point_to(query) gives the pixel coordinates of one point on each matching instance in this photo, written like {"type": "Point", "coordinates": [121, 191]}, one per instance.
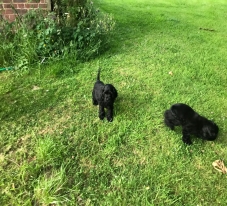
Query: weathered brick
{"type": "Point", "coordinates": [7, 11]}
{"type": "Point", "coordinates": [44, 6]}
{"type": "Point", "coordinates": [6, 6]}
{"type": "Point", "coordinates": [22, 11]}
{"type": "Point", "coordinates": [22, 6]}
{"type": "Point", "coordinates": [19, 1]}
{"type": "Point", "coordinates": [12, 17]}
{"type": "Point", "coordinates": [19, 6]}
{"type": "Point", "coordinates": [34, 1]}
{"type": "Point", "coordinates": [6, 16]}
{"type": "Point", "coordinates": [31, 6]}
{"type": "Point", "coordinates": [7, 1]}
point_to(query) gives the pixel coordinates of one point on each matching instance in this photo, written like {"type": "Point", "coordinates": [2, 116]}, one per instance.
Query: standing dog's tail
{"type": "Point", "coordinates": [98, 76]}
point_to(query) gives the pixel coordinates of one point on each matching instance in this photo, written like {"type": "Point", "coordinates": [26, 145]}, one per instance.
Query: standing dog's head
{"type": "Point", "coordinates": [109, 93]}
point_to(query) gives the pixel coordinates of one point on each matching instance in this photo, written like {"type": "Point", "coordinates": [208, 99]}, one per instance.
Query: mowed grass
{"type": "Point", "coordinates": [55, 151]}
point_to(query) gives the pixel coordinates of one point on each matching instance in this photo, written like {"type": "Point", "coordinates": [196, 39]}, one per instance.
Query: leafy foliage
{"type": "Point", "coordinates": [72, 28]}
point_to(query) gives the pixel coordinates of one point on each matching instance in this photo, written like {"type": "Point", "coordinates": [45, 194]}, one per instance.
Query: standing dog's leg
{"type": "Point", "coordinates": [101, 112]}
{"type": "Point", "coordinates": [94, 101]}
{"type": "Point", "coordinates": [110, 113]}
{"type": "Point", "coordinates": [186, 137]}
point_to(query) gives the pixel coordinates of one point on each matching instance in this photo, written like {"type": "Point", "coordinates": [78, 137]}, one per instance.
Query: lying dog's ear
{"type": "Point", "coordinates": [210, 131]}
{"type": "Point", "coordinates": [206, 131]}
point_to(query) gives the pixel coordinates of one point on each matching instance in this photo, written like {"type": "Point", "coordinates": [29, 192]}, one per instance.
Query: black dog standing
{"type": "Point", "coordinates": [192, 123]}
{"type": "Point", "coordinates": [104, 95]}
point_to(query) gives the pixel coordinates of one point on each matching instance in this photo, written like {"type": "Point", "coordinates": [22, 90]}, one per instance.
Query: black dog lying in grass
{"type": "Point", "coordinates": [192, 123]}
{"type": "Point", "coordinates": [104, 95]}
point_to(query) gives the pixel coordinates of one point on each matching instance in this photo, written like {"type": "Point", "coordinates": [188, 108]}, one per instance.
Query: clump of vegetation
{"type": "Point", "coordinates": [73, 28]}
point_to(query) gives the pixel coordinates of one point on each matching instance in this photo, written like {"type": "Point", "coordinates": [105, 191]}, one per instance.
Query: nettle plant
{"type": "Point", "coordinates": [73, 27]}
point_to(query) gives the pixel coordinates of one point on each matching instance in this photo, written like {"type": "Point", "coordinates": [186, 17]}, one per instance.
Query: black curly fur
{"type": "Point", "coordinates": [104, 95]}
{"type": "Point", "coordinates": [192, 123]}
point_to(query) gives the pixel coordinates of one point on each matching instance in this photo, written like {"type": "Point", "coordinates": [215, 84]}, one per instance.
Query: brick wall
{"type": "Point", "coordinates": [22, 6]}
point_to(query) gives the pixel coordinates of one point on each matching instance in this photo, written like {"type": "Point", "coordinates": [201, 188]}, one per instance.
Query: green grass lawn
{"type": "Point", "coordinates": [54, 150]}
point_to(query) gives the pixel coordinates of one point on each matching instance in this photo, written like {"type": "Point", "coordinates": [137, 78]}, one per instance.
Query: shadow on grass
{"type": "Point", "coordinates": [141, 20]}
{"type": "Point", "coordinates": [44, 90]}
{"type": "Point", "coordinates": [133, 105]}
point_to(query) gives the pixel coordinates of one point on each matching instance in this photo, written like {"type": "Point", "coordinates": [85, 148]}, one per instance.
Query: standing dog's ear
{"type": "Point", "coordinates": [115, 94]}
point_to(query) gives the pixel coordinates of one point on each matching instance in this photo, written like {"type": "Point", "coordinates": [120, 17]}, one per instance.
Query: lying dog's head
{"type": "Point", "coordinates": [182, 112]}
{"type": "Point", "coordinates": [109, 93]}
{"type": "Point", "coordinates": [210, 131]}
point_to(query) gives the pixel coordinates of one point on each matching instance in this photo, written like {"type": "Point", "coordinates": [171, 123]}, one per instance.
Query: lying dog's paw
{"type": "Point", "coordinates": [186, 140]}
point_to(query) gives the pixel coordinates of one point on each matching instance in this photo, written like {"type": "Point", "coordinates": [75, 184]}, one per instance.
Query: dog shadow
{"type": "Point", "coordinates": [127, 104]}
